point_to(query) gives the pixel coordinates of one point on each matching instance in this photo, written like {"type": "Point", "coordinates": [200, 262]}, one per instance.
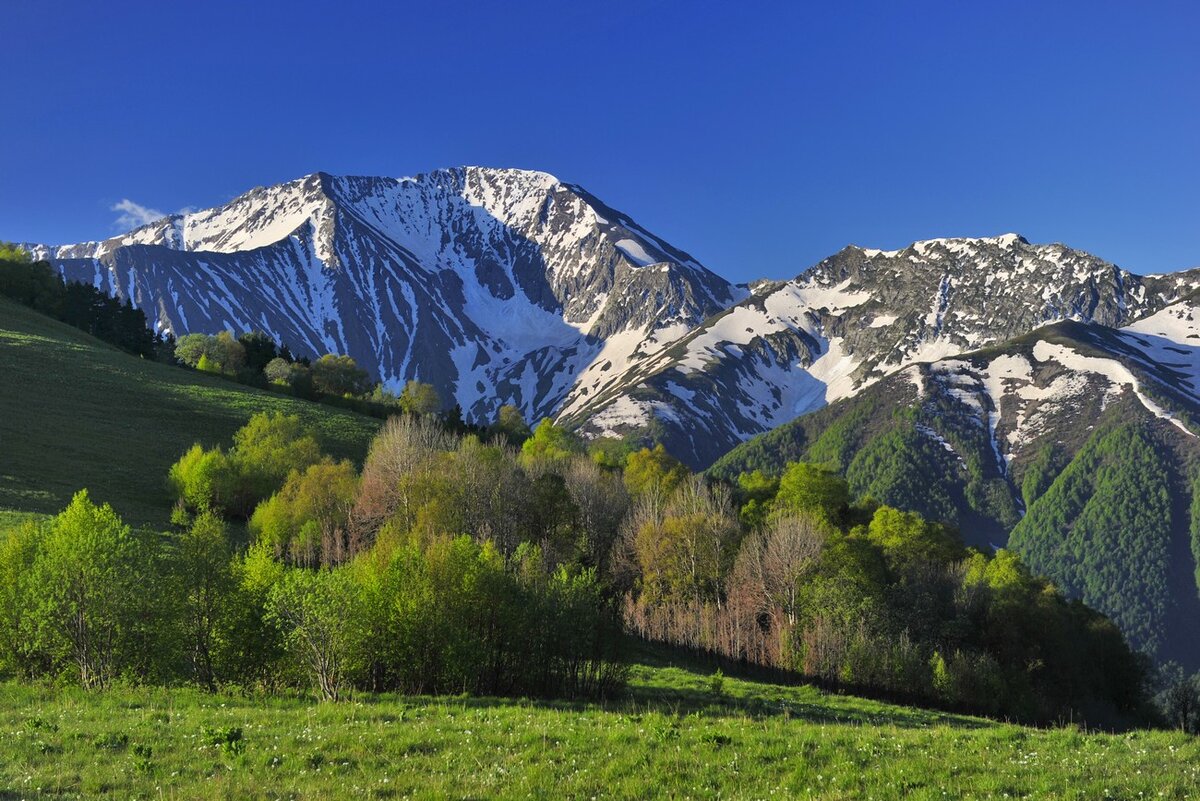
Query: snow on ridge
{"type": "Point", "coordinates": [636, 252]}
{"type": "Point", "coordinates": [1113, 370]}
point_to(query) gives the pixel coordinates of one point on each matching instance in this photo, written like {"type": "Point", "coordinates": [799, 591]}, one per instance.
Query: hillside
{"type": "Point", "coordinates": [673, 736]}
{"type": "Point", "coordinates": [78, 413]}
{"type": "Point", "coordinates": [1075, 440]}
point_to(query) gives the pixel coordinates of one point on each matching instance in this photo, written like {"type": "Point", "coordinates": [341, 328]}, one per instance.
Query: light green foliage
{"type": "Point", "coordinates": [906, 537]}
{"type": "Point", "coordinates": [19, 543]}
{"type": "Point", "coordinates": [264, 452]}
{"type": "Point", "coordinates": [511, 425]}
{"type": "Point", "coordinates": [308, 518]}
{"type": "Point", "coordinates": [443, 616]}
{"type": "Point", "coordinates": [1103, 531]}
{"type": "Point", "coordinates": [221, 353]}
{"type": "Point", "coordinates": [279, 371]}
{"type": "Point", "coordinates": [339, 375]}
{"type": "Point", "coordinates": [88, 576]}
{"type": "Point", "coordinates": [686, 551]}
{"type": "Point", "coordinates": [422, 399]}
{"type": "Point", "coordinates": [317, 611]}
{"type": "Point", "coordinates": [10, 251]}
{"type": "Point", "coordinates": [204, 571]}
{"type": "Point", "coordinates": [653, 470]}
{"type": "Point", "coordinates": [756, 493]}
{"type": "Point", "coordinates": [611, 453]}
{"type": "Point", "coordinates": [549, 442]}
{"type": "Point", "coordinates": [811, 489]}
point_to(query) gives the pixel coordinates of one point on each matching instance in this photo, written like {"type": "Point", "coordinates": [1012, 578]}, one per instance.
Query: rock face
{"type": "Point", "coordinates": [509, 286]}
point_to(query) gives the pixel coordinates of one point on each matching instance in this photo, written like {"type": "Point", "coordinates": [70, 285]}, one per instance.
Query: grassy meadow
{"type": "Point", "coordinates": [92, 416]}
{"type": "Point", "coordinates": [676, 734]}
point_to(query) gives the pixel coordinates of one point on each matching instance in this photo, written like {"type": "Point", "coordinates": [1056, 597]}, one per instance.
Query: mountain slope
{"type": "Point", "coordinates": [856, 317]}
{"type": "Point", "coordinates": [1076, 440]}
{"type": "Point", "coordinates": [497, 286]}
{"type": "Point", "coordinates": [78, 413]}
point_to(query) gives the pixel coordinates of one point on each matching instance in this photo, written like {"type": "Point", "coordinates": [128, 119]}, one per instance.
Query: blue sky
{"type": "Point", "coordinates": [760, 137]}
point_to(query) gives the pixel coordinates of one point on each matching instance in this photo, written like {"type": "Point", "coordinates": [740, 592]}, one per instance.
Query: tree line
{"type": "Point", "coordinates": [512, 561]}
{"type": "Point", "coordinates": [38, 286]}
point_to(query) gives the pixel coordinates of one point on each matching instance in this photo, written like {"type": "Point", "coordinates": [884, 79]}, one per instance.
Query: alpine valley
{"type": "Point", "coordinates": [1033, 395]}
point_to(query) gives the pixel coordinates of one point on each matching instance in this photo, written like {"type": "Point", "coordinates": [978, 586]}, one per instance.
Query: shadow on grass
{"type": "Point", "coordinates": [677, 682]}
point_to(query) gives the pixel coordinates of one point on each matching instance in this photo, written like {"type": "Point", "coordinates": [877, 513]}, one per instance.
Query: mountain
{"type": "Point", "coordinates": [510, 286]}
{"type": "Point", "coordinates": [860, 315]}
{"type": "Point", "coordinates": [497, 286]}
{"type": "Point", "coordinates": [1076, 445]}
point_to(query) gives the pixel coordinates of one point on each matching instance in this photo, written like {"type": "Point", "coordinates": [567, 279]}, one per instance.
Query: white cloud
{"type": "Point", "coordinates": [134, 215]}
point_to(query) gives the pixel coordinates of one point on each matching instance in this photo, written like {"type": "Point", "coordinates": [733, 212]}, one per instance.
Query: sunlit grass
{"type": "Point", "coordinates": [670, 737]}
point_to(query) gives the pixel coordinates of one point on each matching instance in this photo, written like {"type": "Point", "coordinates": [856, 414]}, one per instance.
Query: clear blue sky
{"type": "Point", "coordinates": [759, 136]}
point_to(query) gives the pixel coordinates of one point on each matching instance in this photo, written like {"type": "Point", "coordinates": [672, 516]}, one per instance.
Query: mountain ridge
{"type": "Point", "coordinates": [511, 286]}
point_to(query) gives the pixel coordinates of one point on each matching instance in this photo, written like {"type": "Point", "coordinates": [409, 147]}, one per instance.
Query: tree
{"type": "Point", "coordinates": [264, 452]}
{"type": "Point", "coordinates": [420, 399]}
{"type": "Point", "coordinates": [203, 566]}
{"type": "Point", "coordinates": [773, 562]}
{"type": "Point", "coordinates": [259, 348]}
{"type": "Point", "coordinates": [278, 370]}
{"type": "Point", "coordinates": [10, 251]}
{"type": "Point", "coordinates": [87, 577]}
{"type": "Point", "coordinates": [511, 425]}
{"type": "Point", "coordinates": [686, 553]}
{"type": "Point", "coordinates": [19, 546]}
{"type": "Point", "coordinates": [213, 354]}
{"type": "Point", "coordinates": [611, 453]}
{"type": "Point", "coordinates": [340, 375]}
{"type": "Point", "coordinates": [402, 445]}
{"type": "Point", "coordinates": [317, 612]}
{"type": "Point", "coordinates": [906, 538]}
{"type": "Point", "coordinates": [190, 348]}
{"type": "Point", "coordinates": [756, 494]}
{"type": "Point", "coordinates": [811, 489]}
{"type": "Point", "coordinates": [549, 443]}
{"type": "Point", "coordinates": [601, 503]}
{"type": "Point", "coordinates": [1180, 700]}
{"type": "Point", "coordinates": [653, 470]}
{"type": "Point", "coordinates": [308, 519]}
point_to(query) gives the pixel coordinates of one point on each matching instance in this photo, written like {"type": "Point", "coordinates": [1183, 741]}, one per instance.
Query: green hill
{"type": "Point", "coordinates": [676, 734]}
{"type": "Point", "coordinates": [75, 412]}
{"type": "Point", "coordinates": [1094, 490]}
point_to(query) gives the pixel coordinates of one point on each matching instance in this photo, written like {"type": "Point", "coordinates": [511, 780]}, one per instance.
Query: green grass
{"type": "Point", "coordinates": [76, 413]}
{"type": "Point", "coordinates": [672, 737]}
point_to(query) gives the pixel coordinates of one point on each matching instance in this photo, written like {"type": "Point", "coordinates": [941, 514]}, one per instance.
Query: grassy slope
{"type": "Point", "coordinates": [75, 413]}
{"type": "Point", "coordinates": [671, 738]}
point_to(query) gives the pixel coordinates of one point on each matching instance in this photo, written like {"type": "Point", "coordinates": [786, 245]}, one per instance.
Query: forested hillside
{"type": "Point", "coordinates": [1061, 439]}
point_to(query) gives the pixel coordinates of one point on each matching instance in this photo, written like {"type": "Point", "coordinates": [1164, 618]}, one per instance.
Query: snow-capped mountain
{"type": "Point", "coordinates": [497, 286]}
{"type": "Point", "coordinates": [857, 316]}
{"type": "Point", "coordinates": [510, 286]}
